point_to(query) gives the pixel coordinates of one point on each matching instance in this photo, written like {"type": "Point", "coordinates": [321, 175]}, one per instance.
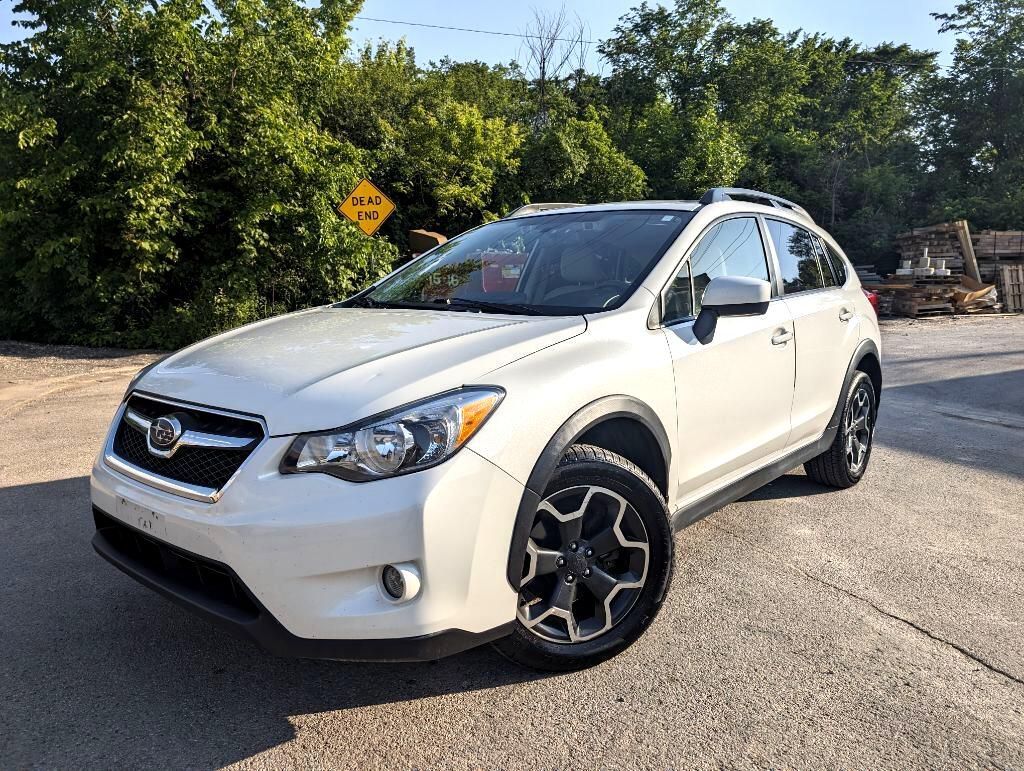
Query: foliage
{"type": "Point", "coordinates": [166, 171]}
{"type": "Point", "coordinates": [442, 143]}
{"type": "Point", "coordinates": [974, 117]}
{"type": "Point", "coordinates": [169, 168]}
{"type": "Point", "coordinates": [701, 100]}
{"type": "Point", "coordinates": [573, 159]}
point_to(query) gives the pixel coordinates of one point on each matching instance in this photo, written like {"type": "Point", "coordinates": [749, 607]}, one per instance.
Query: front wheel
{"type": "Point", "coordinates": [845, 461]}
{"type": "Point", "coordinates": [597, 563]}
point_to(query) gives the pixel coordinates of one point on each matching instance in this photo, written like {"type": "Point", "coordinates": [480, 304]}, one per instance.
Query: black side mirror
{"type": "Point", "coordinates": [730, 296]}
{"type": "Point", "coordinates": [705, 325]}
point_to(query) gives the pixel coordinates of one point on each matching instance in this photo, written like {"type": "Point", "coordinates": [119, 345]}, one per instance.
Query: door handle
{"type": "Point", "coordinates": [845, 315]}
{"type": "Point", "coordinates": [781, 338]}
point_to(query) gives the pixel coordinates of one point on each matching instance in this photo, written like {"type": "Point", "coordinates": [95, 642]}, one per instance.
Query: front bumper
{"type": "Point", "coordinates": [306, 551]}
{"type": "Point", "coordinates": [213, 591]}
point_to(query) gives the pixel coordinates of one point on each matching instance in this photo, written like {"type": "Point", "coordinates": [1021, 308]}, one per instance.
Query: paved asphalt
{"type": "Point", "coordinates": [880, 627]}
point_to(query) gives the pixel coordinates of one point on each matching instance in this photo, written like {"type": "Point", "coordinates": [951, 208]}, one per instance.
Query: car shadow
{"type": "Point", "coordinates": [101, 671]}
{"type": "Point", "coordinates": [958, 420]}
{"type": "Point", "coordinates": [791, 485]}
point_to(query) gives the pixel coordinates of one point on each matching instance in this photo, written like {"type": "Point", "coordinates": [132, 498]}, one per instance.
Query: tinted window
{"type": "Point", "coordinates": [730, 248]}
{"type": "Point", "coordinates": [571, 262]}
{"type": "Point", "coordinates": [838, 263]}
{"type": "Point", "coordinates": [798, 262]}
{"type": "Point", "coordinates": [827, 275]}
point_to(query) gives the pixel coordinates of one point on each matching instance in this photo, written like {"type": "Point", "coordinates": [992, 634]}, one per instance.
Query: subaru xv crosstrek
{"type": "Point", "coordinates": [496, 442]}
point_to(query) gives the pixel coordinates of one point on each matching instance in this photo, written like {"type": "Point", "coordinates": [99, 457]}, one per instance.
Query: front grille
{"type": "Point", "coordinates": [181, 570]}
{"type": "Point", "coordinates": [200, 466]}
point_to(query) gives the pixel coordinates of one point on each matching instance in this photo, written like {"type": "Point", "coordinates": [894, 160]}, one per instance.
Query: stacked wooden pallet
{"type": "Point", "coordinates": [945, 267]}
{"type": "Point", "coordinates": [866, 274]}
{"type": "Point", "coordinates": [925, 299]}
{"type": "Point", "coordinates": [995, 248]}
{"type": "Point", "coordinates": [885, 304]}
{"type": "Point", "coordinates": [1010, 284]}
{"type": "Point", "coordinates": [931, 267]}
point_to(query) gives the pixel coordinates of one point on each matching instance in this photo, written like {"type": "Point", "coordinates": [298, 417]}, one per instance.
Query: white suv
{"type": "Point", "coordinates": [497, 441]}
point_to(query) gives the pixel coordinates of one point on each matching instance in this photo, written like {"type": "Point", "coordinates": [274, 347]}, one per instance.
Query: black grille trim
{"type": "Point", "coordinates": [203, 467]}
{"type": "Point", "coordinates": [184, 571]}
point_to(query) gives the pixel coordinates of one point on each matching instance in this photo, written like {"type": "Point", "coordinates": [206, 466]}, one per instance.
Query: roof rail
{"type": "Point", "coordinates": [716, 194]}
{"type": "Point", "coordinates": [533, 208]}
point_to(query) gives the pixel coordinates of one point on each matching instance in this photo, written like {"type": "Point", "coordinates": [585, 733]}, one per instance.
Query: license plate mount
{"type": "Point", "coordinates": [148, 521]}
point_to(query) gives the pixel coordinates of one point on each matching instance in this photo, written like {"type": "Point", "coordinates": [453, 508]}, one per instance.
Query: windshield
{"type": "Point", "coordinates": [567, 263]}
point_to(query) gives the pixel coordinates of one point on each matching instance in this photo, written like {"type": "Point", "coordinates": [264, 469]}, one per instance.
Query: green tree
{"type": "Point", "coordinates": [169, 168]}
{"type": "Point", "coordinates": [441, 141]}
{"type": "Point", "coordinates": [974, 117]}
{"type": "Point", "coordinates": [166, 172]}
{"type": "Point", "coordinates": [698, 100]}
{"type": "Point", "coordinates": [573, 159]}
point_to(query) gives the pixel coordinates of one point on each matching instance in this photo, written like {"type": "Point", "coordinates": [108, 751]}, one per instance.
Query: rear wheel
{"type": "Point", "coordinates": [843, 464]}
{"type": "Point", "coordinates": [597, 563]}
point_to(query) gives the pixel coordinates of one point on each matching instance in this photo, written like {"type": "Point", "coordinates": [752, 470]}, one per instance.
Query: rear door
{"type": "Point", "coordinates": [825, 326]}
{"type": "Point", "coordinates": [734, 393]}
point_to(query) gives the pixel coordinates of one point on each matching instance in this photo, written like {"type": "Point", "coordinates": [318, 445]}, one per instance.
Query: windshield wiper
{"type": "Point", "coordinates": [484, 305]}
{"type": "Point", "coordinates": [458, 302]}
{"type": "Point", "coordinates": [364, 302]}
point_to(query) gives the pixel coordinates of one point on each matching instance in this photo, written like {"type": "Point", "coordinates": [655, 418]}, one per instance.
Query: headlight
{"type": "Point", "coordinates": [411, 438]}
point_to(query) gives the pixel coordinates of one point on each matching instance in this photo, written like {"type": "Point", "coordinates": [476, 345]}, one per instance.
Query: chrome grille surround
{"type": "Point", "coordinates": [128, 419]}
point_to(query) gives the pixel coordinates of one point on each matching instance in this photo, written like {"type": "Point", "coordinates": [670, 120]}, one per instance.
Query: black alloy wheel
{"type": "Point", "coordinates": [844, 463]}
{"type": "Point", "coordinates": [597, 563]}
{"type": "Point", "coordinates": [857, 430]}
{"type": "Point", "coordinates": [586, 562]}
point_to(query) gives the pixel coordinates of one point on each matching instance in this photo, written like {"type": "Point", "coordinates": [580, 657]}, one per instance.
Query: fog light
{"type": "Point", "coordinates": [401, 581]}
{"type": "Point", "coordinates": [394, 583]}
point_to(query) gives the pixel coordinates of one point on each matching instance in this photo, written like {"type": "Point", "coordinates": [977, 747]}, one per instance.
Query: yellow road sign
{"type": "Point", "coordinates": [367, 206]}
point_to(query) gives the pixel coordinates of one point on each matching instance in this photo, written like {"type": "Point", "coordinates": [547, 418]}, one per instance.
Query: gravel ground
{"type": "Point", "coordinates": [878, 627]}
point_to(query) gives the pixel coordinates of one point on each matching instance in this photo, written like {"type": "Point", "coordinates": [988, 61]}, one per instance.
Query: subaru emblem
{"type": "Point", "coordinates": [164, 432]}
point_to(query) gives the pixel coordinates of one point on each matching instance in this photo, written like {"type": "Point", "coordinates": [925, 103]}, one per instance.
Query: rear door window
{"type": "Point", "coordinates": [798, 259]}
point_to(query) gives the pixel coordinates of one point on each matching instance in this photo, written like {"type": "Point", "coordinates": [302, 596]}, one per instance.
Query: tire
{"type": "Point", "coordinates": [836, 467]}
{"type": "Point", "coordinates": [598, 564]}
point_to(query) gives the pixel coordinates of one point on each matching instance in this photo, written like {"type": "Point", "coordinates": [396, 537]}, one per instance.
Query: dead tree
{"type": "Point", "coordinates": [550, 44]}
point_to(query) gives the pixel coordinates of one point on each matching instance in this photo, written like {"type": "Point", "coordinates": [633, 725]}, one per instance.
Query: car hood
{"type": "Point", "coordinates": [326, 367]}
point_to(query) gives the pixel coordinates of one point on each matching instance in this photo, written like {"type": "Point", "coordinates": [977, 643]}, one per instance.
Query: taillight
{"type": "Point", "coordinates": [872, 298]}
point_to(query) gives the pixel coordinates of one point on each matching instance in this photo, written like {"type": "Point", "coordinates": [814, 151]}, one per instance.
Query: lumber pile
{"type": "Point", "coordinates": [937, 242]}
{"type": "Point", "coordinates": [946, 269]}
{"type": "Point", "coordinates": [995, 248]}
{"type": "Point", "coordinates": [866, 274]}
{"type": "Point", "coordinates": [924, 299]}
{"type": "Point", "coordinates": [975, 297]}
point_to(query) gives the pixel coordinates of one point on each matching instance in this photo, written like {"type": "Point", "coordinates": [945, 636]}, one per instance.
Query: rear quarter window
{"type": "Point", "coordinates": [837, 261]}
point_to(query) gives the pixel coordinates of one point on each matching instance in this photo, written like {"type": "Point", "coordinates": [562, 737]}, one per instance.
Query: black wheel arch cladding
{"type": "Point", "coordinates": [594, 414]}
{"type": "Point", "coordinates": [865, 359]}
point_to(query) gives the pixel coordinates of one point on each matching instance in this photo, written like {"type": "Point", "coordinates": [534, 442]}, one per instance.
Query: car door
{"type": "Point", "coordinates": [733, 393]}
{"type": "Point", "coordinates": [825, 326]}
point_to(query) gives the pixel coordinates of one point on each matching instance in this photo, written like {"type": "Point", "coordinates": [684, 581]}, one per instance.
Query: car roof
{"type": "Point", "coordinates": [616, 206]}
{"type": "Point", "coordinates": [739, 206]}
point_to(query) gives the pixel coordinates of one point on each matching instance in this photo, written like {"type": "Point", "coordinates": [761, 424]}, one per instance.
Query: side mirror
{"type": "Point", "coordinates": [730, 296]}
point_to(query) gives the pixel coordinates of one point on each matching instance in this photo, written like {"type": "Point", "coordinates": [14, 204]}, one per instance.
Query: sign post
{"type": "Point", "coordinates": [367, 206]}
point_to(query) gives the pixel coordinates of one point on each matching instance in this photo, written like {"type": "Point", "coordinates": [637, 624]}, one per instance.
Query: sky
{"type": "Point", "coordinates": [865, 21]}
